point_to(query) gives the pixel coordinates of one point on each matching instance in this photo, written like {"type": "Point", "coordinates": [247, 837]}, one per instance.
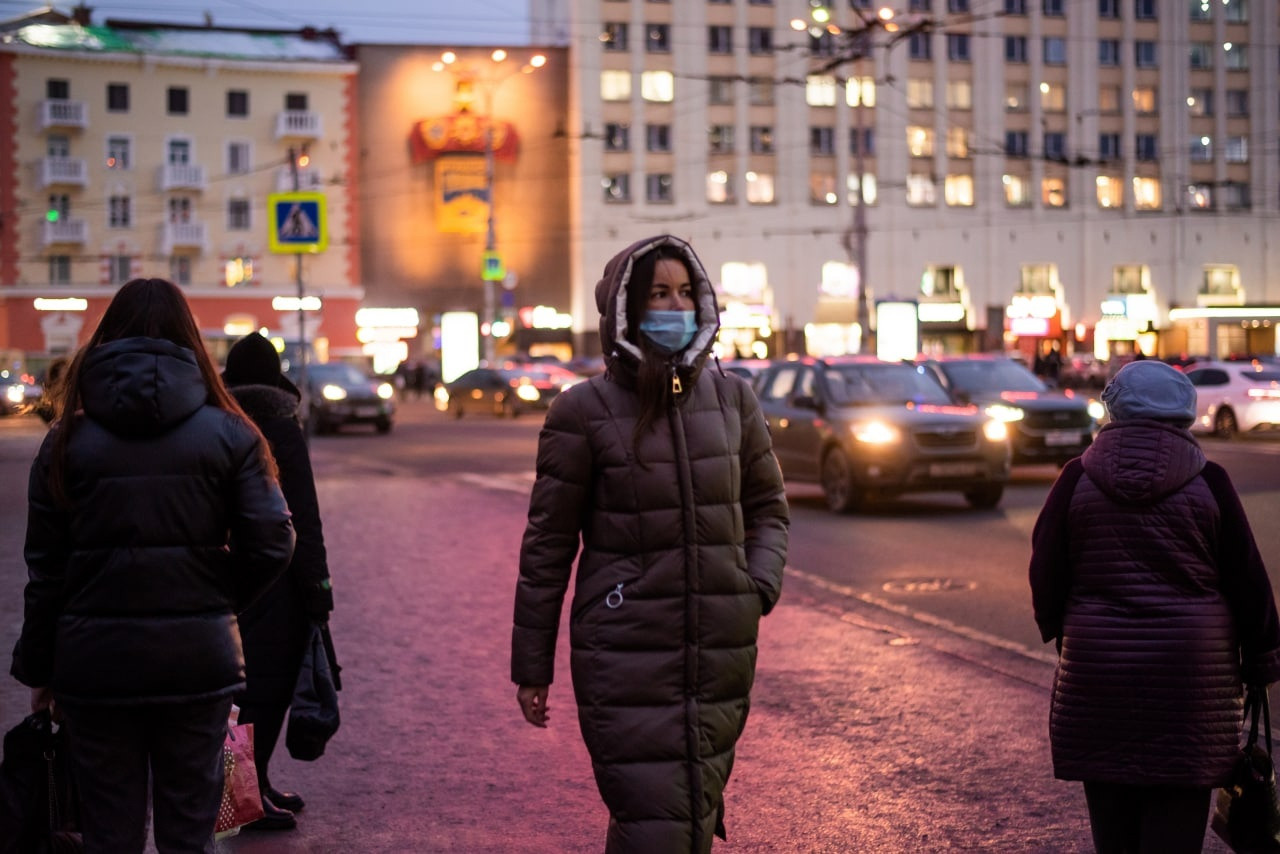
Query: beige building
{"type": "Point", "coordinates": [142, 149]}
{"type": "Point", "coordinates": [1034, 170]}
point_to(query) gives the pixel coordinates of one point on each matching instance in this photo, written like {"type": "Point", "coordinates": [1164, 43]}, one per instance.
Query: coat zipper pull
{"type": "Point", "coordinates": [614, 599]}
{"type": "Point", "coordinates": [676, 387]}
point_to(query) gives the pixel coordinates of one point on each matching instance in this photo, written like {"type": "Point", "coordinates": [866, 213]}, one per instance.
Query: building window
{"type": "Point", "coordinates": [1053, 8]}
{"type": "Point", "coordinates": [957, 191]}
{"type": "Point", "coordinates": [759, 188]}
{"type": "Point", "coordinates": [237, 103]}
{"type": "Point", "coordinates": [1235, 196]}
{"type": "Point", "coordinates": [823, 44]}
{"type": "Point", "coordinates": [919, 5]}
{"type": "Point", "coordinates": [1237, 102]}
{"type": "Point", "coordinates": [59, 269]}
{"type": "Point", "coordinates": [1146, 194]}
{"type": "Point", "coordinates": [919, 93]}
{"type": "Point", "coordinates": [762, 139]}
{"type": "Point", "coordinates": [720, 139]}
{"type": "Point", "coordinates": [617, 136]}
{"type": "Point", "coordinates": [117, 97]}
{"type": "Point", "coordinates": [237, 158]}
{"type": "Point", "coordinates": [119, 269]}
{"type": "Point", "coordinates": [822, 141]}
{"type": "Point", "coordinates": [868, 148]}
{"type": "Point", "coordinates": [296, 102]}
{"type": "Point", "coordinates": [1145, 55]}
{"type": "Point", "coordinates": [1015, 7]}
{"type": "Point", "coordinates": [237, 271]}
{"type": "Point", "coordinates": [820, 90]}
{"type": "Point", "coordinates": [59, 206]}
{"type": "Point", "coordinates": [1055, 50]}
{"type": "Point", "coordinates": [1237, 149]}
{"type": "Point", "coordinates": [1108, 99]}
{"type": "Point", "coordinates": [921, 191]}
{"type": "Point", "coordinates": [1201, 149]}
{"type": "Point", "coordinates": [1201, 54]}
{"type": "Point", "coordinates": [176, 101]}
{"type": "Point", "coordinates": [1236, 11]}
{"type": "Point", "coordinates": [179, 210]}
{"type": "Point", "coordinates": [57, 89]}
{"type": "Point", "coordinates": [119, 212]}
{"type": "Point", "coordinates": [657, 38]}
{"type": "Point", "coordinates": [1145, 147]}
{"type": "Point", "coordinates": [118, 153]}
{"type": "Point", "coordinates": [238, 215]}
{"type": "Point", "coordinates": [760, 91]}
{"type": "Point", "coordinates": [958, 143]}
{"type": "Point", "coordinates": [720, 90]}
{"type": "Point", "coordinates": [1144, 10]}
{"type": "Point", "coordinates": [1055, 145]}
{"type": "Point", "coordinates": [1015, 48]}
{"type": "Point", "coordinates": [919, 141]}
{"type": "Point", "coordinates": [615, 85]}
{"type": "Point", "coordinates": [1053, 192]}
{"type": "Point", "coordinates": [719, 39]}
{"type": "Point", "coordinates": [1235, 57]}
{"type": "Point", "coordinates": [657, 189]}
{"type": "Point", "coordinates": [860, 91]}
{"type": "Point", "coordinates": [957, 6]}
{"type": "Point", "coordinates": [617, 188]}
{"type": "Point", "coordinates": [1200, 102]}
{"type": "Point", "coordinates": [180, 269]}
{"type": "Point", "coordinates": [920, 46]}
{"type": "Point", "coordinates": [613, 35]}
{"type": "Point", "coordinates": [1053, 97]}
{"type": "Point", "coordinates": [1108, 146]}
{"type": "Point", "coordinates": [1201, 11]}
{"type": "Point", "coordinates": [179, 152]}
{"type": "Point", "coordinates": [1110, 191]}
{"type": "Point", "coordinates": [1017, 191]}
{"type": "Point", "coordinates": [959, 95]}
{"type": "Point", "coordinates": [1200, 197]}
{"type": "Point", "coordinates": [760, 40]}
{"type": "Point", "coordinates": [1109, 9]}
{"type": "Point", "coordinates": [719, 188]}
{"type": "Point", "coordinates": [1016, 97]}
{"type": "Point", "coordinates": [1144, 100]}
{"type": "Point", "coordinates": [822, 189]}
{"type": "Point", "coordinates": [657, 138]}
{"type": "Point", "coordinates": [867, 187]}
{"type": "Point", "coordinates": [657, 86]}
{"type": "Point", "coordinates": [1109, 52]}
{"type": "Point", "coordinates": [1015, 143]}
{"type": "Point", "coordinates": [958, 47]}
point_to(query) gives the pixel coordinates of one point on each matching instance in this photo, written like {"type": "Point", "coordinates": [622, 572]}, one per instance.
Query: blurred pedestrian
{"type": "Point", "coordinates": [49, 407]}
{"type": "Point", "coordinates": [1145, 572]}
{"type": "Point", "coordinates": [276, 628]}
{"type": "Point", "coordinates": [154, 516]}
{"type": "Point", "coordinates": [664, 468]}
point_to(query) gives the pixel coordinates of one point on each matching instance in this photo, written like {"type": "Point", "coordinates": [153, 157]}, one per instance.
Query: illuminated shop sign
{"type": "Point", "coordinates": [941, 312]}
{"type": "Point", "coordinates": [64, 304]}
{"type": "Point", "coordinates": [293, 303]}
{"type": "Point", "coordinates": [1040, 306]}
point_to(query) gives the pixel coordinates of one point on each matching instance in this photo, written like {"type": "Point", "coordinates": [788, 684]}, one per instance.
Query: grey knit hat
{"type": "Point", "coordinates": [1151, 389]}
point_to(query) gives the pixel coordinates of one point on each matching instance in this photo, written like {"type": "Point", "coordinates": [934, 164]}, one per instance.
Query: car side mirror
{"type": "Point", "coordinates": [806, 401]}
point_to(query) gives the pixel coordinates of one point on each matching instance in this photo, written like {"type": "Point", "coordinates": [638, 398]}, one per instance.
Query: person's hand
{"type": "Point", "coordinates": [533, 702]}
{"type": "Point", "coordinates": [41, 699]}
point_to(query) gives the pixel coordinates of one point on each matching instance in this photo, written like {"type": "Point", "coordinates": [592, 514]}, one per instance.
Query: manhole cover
{"type": "Point", "coordinates": [927, 585]}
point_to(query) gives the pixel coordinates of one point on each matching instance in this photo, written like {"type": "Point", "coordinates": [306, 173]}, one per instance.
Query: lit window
{"type": "Point", "coordinates": [1146, 194]}
{"type": "Point", "coordinates": [919, 141]}
{"type": "Point", "coordinates": [1016, 98]}
{"type": "Point", "coordinates": [1110, 191]}
{"type": "Point", "coordinates": [1017, 190]}
{"type": "Point", "coordinates": [921, 190]}
{"type": "Point", "coordinates": [237, 272]}
{"type": "Point", "coordinates": [822, 189]}
{"type": "Point", "coordinates": [1108, 99]}
{"type": "Point", "coordinates": [1200, 197]}
{"type": "Point", "coordinates": [959, 94]}
{"type": "Point", "coordinates": [719, 188]}
{"type": "Point", "coordinates": [1053, 97]}
{"type": "Point", "coordinates": [658, 86]}
{"type": "Point", "coordinates": [920, 93]}
{"type": "Point", "coordinates": [759, 188]}
{"type": "Point", "coordinates": [868, 188]}
{"type": "Point", "coordinates": [615, 85]}
{"type": "Point", "coordinates": [820, 91]}
{"type": "Point", "coordinates": [957, 142]}
{"type": "Point", "coordinates": [958, 191]}
{"type": "Point", "coordinates": [1053, 192]}
{"type": "Point", "coordinates": [1144, 100]}
{"type": "Point", "coordinates": [866, 86]}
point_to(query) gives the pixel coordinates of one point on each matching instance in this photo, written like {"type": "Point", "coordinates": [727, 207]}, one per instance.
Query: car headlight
{"type": "Point", "coordinates": [441, 394]}
{"type": "Point", "coordinates": [385, 391]}
{"type": "Point", "coordinates": [527, 392]}
{"type": "Point", "coordinates": [333, 392]}
{"type": "Point", "coordinates": [1004, 412]}
{"type": "Point", "coordinates": [1096, 410]}
{"type": "Point", "coordinates": [15, 393]}
{"type": "Point", "coordinates": [995, 431]}
{"type": "Point", "coordinates": [876, 433]}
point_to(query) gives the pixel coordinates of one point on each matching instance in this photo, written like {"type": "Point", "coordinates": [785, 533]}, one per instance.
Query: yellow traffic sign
{"type": "Point", "coordinates": [297, 223]}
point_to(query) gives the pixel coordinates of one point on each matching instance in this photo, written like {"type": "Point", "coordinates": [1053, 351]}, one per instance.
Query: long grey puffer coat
{"type": "Point", "coordinates": [683, 546]}
{"type": "Point", "coordinates": [1145, 571]}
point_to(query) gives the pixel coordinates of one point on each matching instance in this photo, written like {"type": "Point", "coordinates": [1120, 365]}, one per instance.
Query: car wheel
{"type": "Point", "coordinates": [383, 425]}
{"type": "Point", "coordinates": [457, 410]}
{"type": "Point", "coordinates": [843, 495]}
{"type": "Point", "coordinates": [509, 408]}
{"type": "Point", "coordinates": [1224, 424]}
{"type": "Point", "coordinates": [986, 496]}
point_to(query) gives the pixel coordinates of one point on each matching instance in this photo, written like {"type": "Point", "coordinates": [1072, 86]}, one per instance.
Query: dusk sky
{"type": "Point", "coordinates": [389, 21]}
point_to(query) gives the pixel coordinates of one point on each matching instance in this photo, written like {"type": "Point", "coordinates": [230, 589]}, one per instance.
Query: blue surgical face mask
{"type": "Point", "coordinates": [670, 331]}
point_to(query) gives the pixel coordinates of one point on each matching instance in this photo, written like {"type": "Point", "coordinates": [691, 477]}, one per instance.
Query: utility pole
{"type": "Point", "coordinates": [301, 291]}
{"type": "Point", "coordinates": [490, 234]}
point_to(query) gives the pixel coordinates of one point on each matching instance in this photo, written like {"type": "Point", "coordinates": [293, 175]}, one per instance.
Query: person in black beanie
{"type": "Point", "coordinates": [275, 629]}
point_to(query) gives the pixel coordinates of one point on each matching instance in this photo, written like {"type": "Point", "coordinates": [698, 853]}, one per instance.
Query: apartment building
{"type": "Point", "coordinates": [1090, 172]}
{"type": "Point", "coordinates": [146, 149]}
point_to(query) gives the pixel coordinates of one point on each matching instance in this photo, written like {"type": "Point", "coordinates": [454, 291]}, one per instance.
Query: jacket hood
{"type": "Point", "coordinates": [141, 386]}
{"type": "Point", "coordinates": [611, 302]}
{"type": "Point", "coordinates": [1142, 461]}
{"type": "Point", "coordinates": [261, 402]}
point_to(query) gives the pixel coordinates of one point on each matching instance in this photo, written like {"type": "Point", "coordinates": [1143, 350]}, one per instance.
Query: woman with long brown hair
{"type": "Point", "coordinates": [154, 516]}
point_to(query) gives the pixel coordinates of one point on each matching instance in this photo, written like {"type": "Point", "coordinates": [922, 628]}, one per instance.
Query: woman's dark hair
{"type": "Point", "coordinates": [653, 374]}
{"type": "Point", "coordinates": [143, 308]}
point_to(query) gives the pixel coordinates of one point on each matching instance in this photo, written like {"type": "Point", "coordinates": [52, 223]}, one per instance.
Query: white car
{"type": "Point", "coordinates": [1235, 397]}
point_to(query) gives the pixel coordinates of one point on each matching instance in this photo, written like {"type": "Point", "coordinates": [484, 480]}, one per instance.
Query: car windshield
{"type": "Point", "coordinates": [1261, 376]}
{"type": "Point", "coordinates": [868, 385]}
{"type": "Point", "coordinates": [981, 375]}
{"type": "Point", "coordinates": [337, 372]}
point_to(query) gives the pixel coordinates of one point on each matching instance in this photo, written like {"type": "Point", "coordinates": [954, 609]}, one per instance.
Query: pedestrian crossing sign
{"type": "Point", "coordinates": [296, 223]}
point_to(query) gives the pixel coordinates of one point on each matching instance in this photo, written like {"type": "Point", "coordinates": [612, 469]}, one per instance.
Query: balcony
{"type": "Point", "coordinates": [182, 235]}
{"type": "Point", "coordinates": [62, 172]}
{"type": "Point", "coordinates": [57, 113]}
{"type": "Point", "coordinates": [65, 231]}
{"type": "Point", "coordinates": [181, 176]}
{"type": "Point", "coordinates": [309, 180]}
{"type": "Point", "coordinates": [298, 124]}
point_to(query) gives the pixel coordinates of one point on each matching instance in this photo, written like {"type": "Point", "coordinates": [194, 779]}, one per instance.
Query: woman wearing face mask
{"type": "Point", "coordinates": [663, 468]}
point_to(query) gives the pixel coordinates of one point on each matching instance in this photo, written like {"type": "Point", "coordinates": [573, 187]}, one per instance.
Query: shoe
{"type": "Point", "coordinates": [273, 818]}
{"type": "Point", "coordinates": [291, 801]}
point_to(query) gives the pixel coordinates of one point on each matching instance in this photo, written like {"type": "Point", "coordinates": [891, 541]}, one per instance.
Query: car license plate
{"type": "Point", "coordinates": [366, 411]}
{"type": "Point", "coordinates": [952, 469]}
{"type": "Point", "coordinates": [1060, 438]}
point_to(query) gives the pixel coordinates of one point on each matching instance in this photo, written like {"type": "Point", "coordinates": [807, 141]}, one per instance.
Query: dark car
{"type": "Point", "coordinates": [503, 391]}
{"type": "Point", "coordinates": [339, 394]}
{"type": "Point", "coordinates": [865, 428]}
{"type": "Point", "coordinates": [1045, 426]}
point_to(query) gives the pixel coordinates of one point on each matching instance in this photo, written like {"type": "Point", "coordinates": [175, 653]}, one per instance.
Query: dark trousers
{"type": "Point", "coordinates": [1147, 819]}
{"type": "Point", "coordinates": [115, 750]}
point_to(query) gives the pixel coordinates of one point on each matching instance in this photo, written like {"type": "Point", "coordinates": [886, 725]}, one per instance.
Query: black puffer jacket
{"type": "Point", "coordinates": [1145, 570]}
{"type": "Point", "coordinates": [681, 554]}
{"type": "Point", "coordinates": [174, 526]}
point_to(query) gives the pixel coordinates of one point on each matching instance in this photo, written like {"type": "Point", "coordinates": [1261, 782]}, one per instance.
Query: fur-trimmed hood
{"type": "Point", "coordinates": [261, 402]}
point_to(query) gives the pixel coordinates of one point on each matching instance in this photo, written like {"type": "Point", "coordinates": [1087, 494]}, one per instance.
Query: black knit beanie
{"type": "Point", "coordinates": [253, 360]}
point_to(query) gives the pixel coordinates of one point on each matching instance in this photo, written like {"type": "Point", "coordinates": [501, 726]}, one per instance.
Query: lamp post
{"type": "Point", "coordinates": [488, 76]}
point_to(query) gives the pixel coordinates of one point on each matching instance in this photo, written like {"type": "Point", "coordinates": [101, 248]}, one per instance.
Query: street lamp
{"type": "Point", "coordinates": [488, 76]}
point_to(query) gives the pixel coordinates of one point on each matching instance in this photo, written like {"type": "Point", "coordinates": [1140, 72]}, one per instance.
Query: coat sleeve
{"type": "Point", "coordinates": [47, 551]}
{"type": "Point", "coordinates": [1245, 583]}
{"type": "Point", "coordinates": [309, 568]}
{"type": "Point", "coordinates": [551, 539]}
{"type": "Point", "coordinates": [764, 503]}
{"type": "Point", "coordinates": [1050, 571]}
{"type": "Point", "coordinates": [261, 533]}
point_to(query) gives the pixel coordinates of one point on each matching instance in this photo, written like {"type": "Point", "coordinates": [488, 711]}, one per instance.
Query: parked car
{"type": "Point", "coordinates": [1235, 397]}
{"type": "Point", "coordinates": [748, 369]}
{"type": "Point", "coordinates": [503, 391]}
{"type": "Point", "coordinates": [865, 428]}
{"type": "Point", "coordinates": [339, 394]}
{"type": "Point", "coordinates": [1046, 426]}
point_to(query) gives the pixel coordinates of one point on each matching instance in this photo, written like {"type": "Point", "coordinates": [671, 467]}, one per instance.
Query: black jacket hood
{"type": "Point", "coordinates": [141, 386]}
